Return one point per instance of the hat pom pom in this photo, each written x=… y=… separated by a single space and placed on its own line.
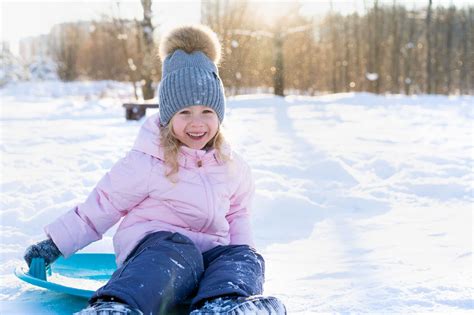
x=191 y=38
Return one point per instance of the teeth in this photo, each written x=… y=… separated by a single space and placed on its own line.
x=196 y=134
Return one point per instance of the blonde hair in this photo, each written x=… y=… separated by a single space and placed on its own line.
x=171 y=146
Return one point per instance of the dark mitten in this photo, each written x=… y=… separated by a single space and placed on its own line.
x=45 y=249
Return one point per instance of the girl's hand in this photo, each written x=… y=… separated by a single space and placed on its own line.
x=45 y=249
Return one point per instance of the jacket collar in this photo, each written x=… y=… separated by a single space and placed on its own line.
x=148 y=141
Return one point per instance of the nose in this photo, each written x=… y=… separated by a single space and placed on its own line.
x=196 y=120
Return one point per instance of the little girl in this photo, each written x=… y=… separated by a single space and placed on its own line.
x=184 y=197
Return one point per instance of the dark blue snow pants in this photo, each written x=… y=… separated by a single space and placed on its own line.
x=166 y=270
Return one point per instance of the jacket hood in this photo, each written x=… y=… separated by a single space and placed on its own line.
x=148 y=141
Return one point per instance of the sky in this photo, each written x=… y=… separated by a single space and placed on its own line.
x=20 y=19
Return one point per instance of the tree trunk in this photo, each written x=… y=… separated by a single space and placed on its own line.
x=395 y=51
x=470 y=55
x=409 y=47
x=377 y=58
x=429 y=88
x=437 y=49
x=370 y=69
x=449 y=49
x=358 y=78
x=333 y=52
x=278 y=75
x=470 y=60
x=147 y=66
x=464 y=60
x=345 y=63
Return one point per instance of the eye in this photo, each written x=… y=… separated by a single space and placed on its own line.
x=208 y=111
x=185 y=112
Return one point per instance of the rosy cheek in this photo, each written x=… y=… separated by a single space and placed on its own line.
x=176 y=128
x=173 y=126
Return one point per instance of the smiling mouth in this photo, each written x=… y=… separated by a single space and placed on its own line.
x=196 y=135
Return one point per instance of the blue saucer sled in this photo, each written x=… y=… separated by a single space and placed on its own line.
x=79 y=275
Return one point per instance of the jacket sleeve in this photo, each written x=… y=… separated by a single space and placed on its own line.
x=119 y=190
x=239 y=213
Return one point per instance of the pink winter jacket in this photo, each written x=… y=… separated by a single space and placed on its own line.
x=210 y=202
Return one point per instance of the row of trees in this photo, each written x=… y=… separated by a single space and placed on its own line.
x=387 y=49
x=110 y=49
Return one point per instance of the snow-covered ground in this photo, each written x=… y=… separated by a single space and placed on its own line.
x=364 y=203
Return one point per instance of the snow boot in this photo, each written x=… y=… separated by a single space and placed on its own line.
x=264 y=305
x=109 y=308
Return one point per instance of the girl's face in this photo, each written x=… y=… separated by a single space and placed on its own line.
x=195 y=126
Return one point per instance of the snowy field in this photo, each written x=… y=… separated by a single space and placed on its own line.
x=364 y=203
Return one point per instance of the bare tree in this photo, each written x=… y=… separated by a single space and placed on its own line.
x=278 y=72
x=334 y=50
x=378 y=26
x=129 y=62
x=408 y=53
x=65 y=41
x=359 y=61
x=395 y=69
x=449 y=48
x=429 y=58
x=466 y=54
x=148 y=51
x=240 y=61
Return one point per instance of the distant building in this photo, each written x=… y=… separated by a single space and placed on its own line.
x=34 y=47
x=4 y=47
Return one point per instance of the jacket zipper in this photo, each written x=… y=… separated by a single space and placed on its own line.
x=210 y=200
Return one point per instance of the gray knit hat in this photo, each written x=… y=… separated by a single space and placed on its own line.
x=189 y=73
